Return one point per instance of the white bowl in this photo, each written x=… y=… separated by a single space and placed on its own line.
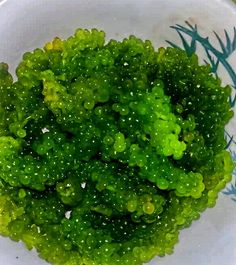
x=27 y=24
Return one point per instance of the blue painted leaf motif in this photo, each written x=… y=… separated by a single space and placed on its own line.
x=231 y=190
x=230 y=140
x=173 y=44
x=230 y=46
x=214 y=58
x=234 y=40
x=214 y=62
x=220 y=42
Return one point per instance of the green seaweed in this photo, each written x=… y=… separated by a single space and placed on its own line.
x=108 y=149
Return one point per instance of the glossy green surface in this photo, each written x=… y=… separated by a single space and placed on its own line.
x=107 y=150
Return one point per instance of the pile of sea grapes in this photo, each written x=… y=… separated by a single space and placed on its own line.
x=107 y=150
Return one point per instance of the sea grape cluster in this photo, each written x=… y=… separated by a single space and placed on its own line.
x=108 y=149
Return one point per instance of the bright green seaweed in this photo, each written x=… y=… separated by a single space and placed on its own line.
x=107 y=150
